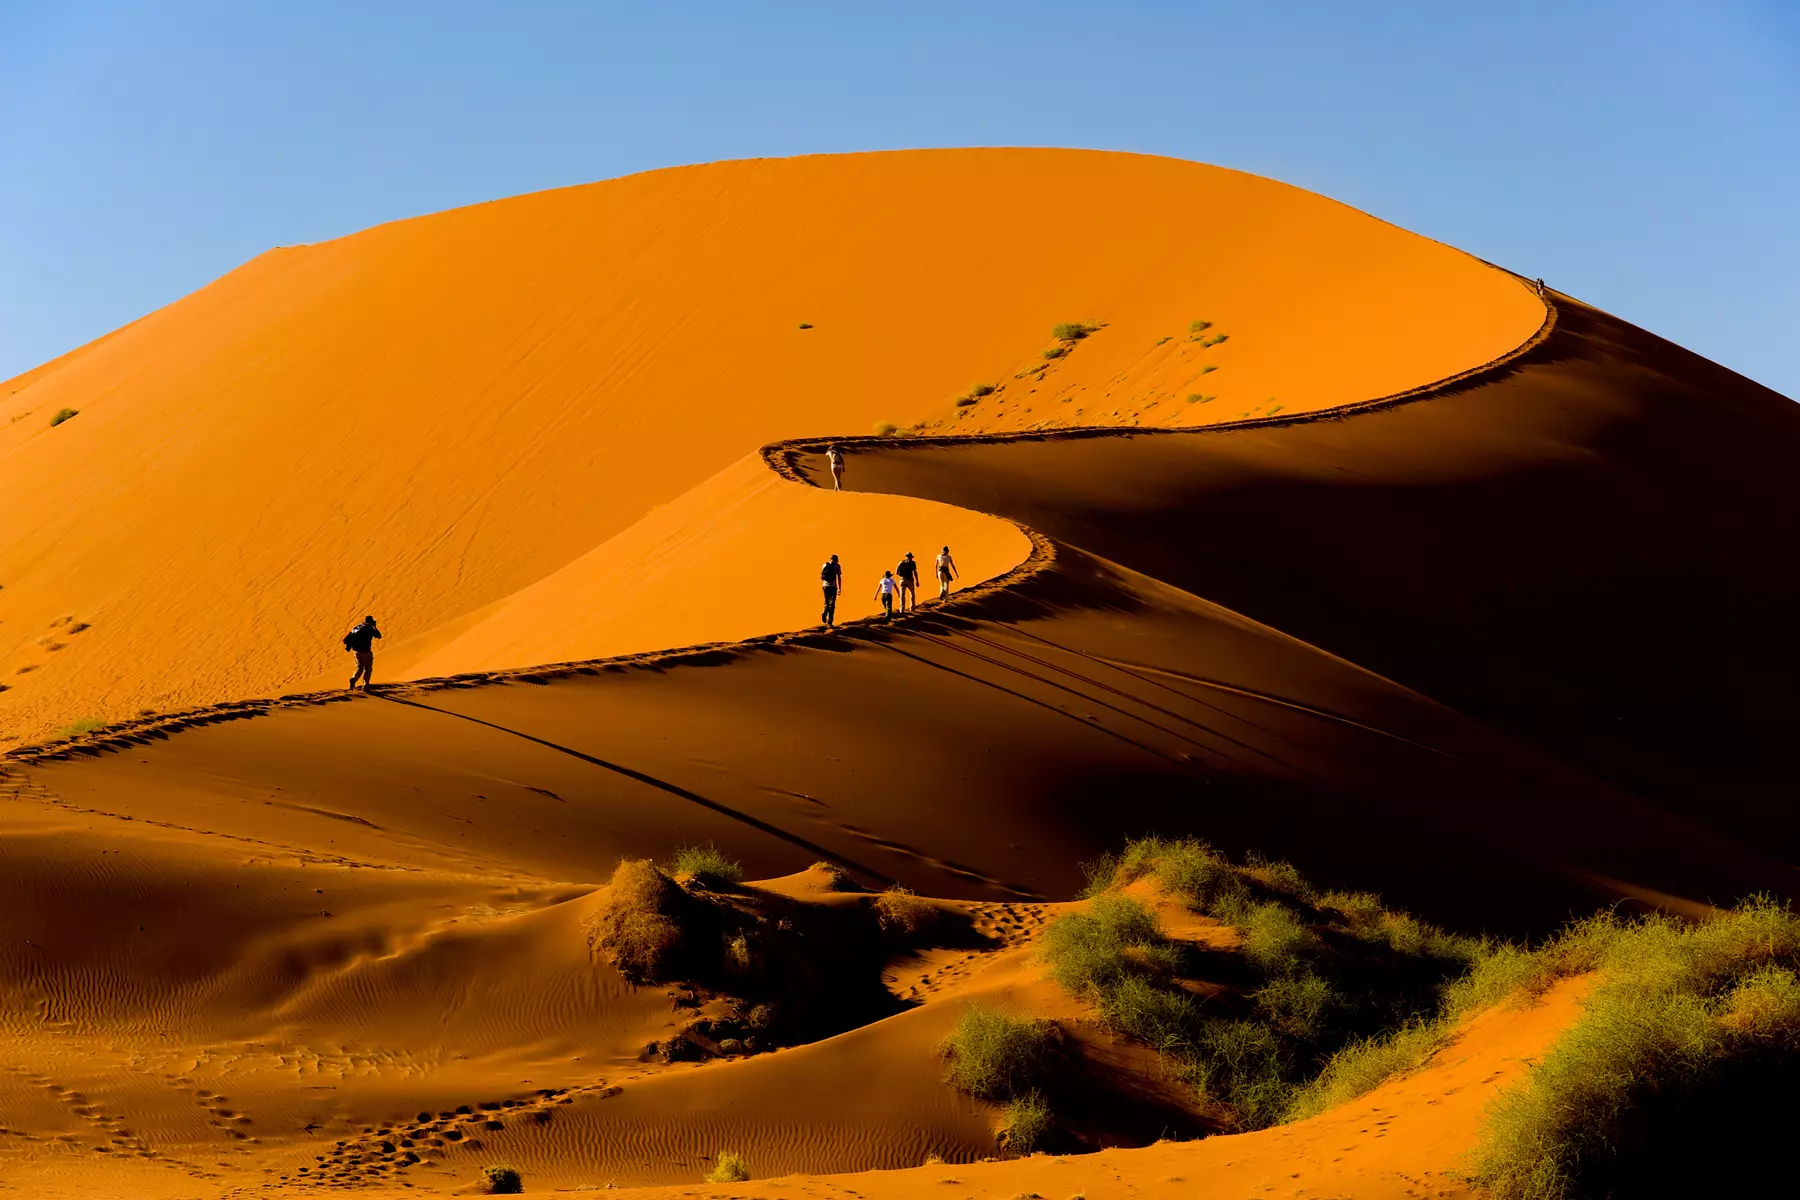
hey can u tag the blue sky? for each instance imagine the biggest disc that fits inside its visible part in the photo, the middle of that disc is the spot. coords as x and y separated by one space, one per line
1642 155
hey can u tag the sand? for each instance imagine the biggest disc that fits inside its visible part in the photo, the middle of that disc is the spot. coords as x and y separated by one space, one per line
1472 634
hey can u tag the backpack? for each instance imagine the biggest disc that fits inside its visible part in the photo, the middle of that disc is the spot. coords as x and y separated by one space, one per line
349 639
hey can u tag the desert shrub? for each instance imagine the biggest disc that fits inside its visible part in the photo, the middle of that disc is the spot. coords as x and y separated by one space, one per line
634 923
77 728
1071 331
964 401
1366 1064
501 1180
63 414
837 879
1056 351
1199 326
706 865
1089 953
1678 1009
886 429
1162 1018
994 1056
982 389
729 1167
1274 937
740 956
805 325
1298 1005
900 911
1026 1124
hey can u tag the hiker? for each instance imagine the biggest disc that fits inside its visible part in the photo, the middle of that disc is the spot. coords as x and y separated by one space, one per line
831 578
884 591
908 570
835 456
946 571
361 642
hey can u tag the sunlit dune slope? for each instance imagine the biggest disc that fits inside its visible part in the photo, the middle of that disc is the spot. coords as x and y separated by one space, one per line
427 417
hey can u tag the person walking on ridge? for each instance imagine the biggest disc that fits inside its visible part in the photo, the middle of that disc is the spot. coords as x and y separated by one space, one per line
831 578
908 571
946 571
361 642
834 454
884 592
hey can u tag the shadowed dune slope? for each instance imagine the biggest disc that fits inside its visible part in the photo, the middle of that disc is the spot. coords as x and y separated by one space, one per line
428 417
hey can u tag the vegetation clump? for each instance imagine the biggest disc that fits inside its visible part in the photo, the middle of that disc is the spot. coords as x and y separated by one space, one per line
886 429
729 1167
77 728
1012 1061
706 865
1199 326
501 1180
1056 351
964 401
901 912
1027 1123
63 414
635 923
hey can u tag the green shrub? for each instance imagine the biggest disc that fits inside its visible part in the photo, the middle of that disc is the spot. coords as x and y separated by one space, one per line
805 325
1056 352
1368 1063
1090 952
982 389
1199 326
85 725
634 922
994 1056
1162 1018
1027 1123
1071 331
706 865
964 401
886 429
63 414
1298 1004
899 911
501 1180
729 1167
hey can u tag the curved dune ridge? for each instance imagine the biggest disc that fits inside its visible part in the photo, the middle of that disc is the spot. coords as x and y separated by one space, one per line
1476 643
481 424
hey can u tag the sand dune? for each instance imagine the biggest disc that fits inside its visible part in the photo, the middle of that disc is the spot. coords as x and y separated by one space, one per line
1475 635
428 417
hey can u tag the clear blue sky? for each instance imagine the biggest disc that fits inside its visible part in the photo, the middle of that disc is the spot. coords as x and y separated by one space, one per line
1641 154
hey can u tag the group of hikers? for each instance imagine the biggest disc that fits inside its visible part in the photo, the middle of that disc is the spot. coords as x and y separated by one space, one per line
898 586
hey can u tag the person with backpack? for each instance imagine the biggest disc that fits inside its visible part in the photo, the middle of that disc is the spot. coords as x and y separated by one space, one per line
835 456
831 578
908 571
361 642
946 571
884 592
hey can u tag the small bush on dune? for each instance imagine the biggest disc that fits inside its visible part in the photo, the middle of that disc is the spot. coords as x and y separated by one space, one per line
982 389
63 414
886 429
1365 1065
706 865
900 911
964 401
994 1056
634 924
729 1167
1071 331
85 725
501 1180
1056 352
1091 952
1027 1123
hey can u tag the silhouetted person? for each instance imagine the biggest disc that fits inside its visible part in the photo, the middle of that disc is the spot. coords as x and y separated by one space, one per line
831 578
835 456
884 592
361 642
946 572
908 571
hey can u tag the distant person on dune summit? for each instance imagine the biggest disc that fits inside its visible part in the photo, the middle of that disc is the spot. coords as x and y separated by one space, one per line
884 592
908 571
946 572
835 456
361 642
831 578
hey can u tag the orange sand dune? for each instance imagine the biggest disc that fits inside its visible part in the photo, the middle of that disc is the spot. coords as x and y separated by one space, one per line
428 417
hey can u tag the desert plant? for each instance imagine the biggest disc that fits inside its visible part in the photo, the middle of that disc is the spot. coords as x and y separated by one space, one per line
995 1056
900 911
1368 1063
77 728
633 923
982 389
1056 351
805 325
1071 331
1026 1124
1199 326
886 429
729 1167
964 401
706 865
501 1180
63 414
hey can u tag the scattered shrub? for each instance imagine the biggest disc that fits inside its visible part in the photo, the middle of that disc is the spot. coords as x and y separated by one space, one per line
1199 326
729 1167
899 911
1365 1065
1161 341
501 1180
1056 352
740 958
85 725
1026 1124
1071 331
805 325
982 389
964 401
706 865
886 429
63 414
1209 368
837 879
633 923
994 1056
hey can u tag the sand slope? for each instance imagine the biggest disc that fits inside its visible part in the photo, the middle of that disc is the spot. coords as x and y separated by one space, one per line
427 417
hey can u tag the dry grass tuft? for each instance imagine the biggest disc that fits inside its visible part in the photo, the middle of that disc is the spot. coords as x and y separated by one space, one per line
900 911
729 1167
634 924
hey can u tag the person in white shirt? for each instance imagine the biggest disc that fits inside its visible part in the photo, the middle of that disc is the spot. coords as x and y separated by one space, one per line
946 571
835 456
885 591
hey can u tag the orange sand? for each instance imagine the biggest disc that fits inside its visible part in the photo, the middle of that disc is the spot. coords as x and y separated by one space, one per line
429 417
